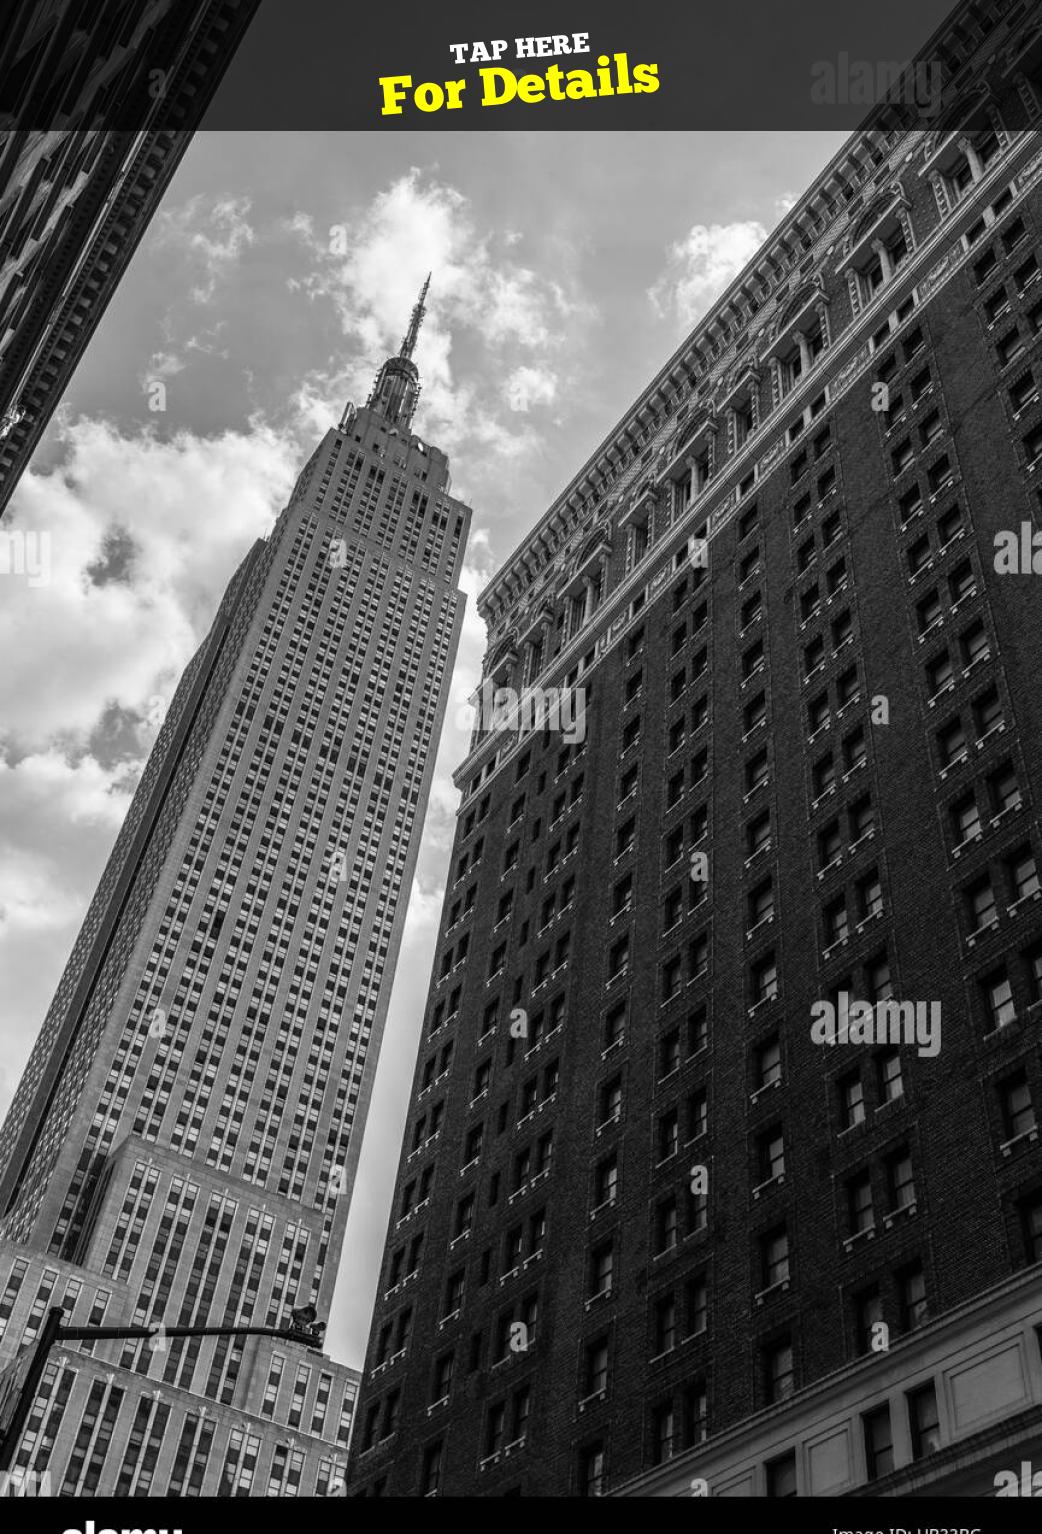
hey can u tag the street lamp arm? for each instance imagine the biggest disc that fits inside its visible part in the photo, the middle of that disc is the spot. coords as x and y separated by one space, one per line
131 1333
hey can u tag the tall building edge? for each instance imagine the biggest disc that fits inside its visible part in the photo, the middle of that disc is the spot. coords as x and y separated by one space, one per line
99 106
650 1235
183 1145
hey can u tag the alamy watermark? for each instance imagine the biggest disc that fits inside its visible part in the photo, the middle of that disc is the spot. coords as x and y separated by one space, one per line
28 553
561 710
844 81
1018 552
881 1022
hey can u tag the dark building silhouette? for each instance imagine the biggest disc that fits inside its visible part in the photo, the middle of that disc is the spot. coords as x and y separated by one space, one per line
649 1235
98 100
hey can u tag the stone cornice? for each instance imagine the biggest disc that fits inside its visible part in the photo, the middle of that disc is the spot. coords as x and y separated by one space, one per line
935 261
820 217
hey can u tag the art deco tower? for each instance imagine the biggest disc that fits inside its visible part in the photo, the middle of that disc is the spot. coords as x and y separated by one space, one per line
183 1144
649 1234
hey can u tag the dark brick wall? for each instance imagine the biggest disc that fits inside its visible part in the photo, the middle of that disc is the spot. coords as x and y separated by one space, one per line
965 1230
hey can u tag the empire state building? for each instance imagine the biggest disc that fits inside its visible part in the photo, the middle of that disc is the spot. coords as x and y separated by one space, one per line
182 1147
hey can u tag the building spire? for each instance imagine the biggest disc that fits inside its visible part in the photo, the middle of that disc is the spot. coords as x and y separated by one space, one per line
397 387
418 311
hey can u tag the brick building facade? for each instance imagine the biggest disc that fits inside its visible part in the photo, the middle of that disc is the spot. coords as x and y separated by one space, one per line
647 1232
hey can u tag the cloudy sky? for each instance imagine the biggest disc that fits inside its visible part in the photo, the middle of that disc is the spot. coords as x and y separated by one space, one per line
280 271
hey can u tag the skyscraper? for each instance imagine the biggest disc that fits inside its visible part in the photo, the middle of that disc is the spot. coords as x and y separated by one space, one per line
183 1144
654 1230
98 103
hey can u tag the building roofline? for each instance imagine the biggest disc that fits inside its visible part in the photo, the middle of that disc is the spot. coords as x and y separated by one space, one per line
844 160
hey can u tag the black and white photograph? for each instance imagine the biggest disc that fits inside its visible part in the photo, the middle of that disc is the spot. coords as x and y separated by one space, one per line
520 759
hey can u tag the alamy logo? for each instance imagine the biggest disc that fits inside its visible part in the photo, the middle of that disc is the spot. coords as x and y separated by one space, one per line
26 553
561 710
1027 1484
870 82
1018 553
90 1527
882 1022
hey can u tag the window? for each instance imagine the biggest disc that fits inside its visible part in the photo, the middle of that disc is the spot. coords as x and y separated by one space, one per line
495 1423
824 775
818 713
923 1420
855 750
965 818
868 1313
973 644
1022 874
859 1203
669 1053
619 958
830 844
879 1443
672 978
430 1475
610 1101
668 1134
900 1181
928 612
614 1025
755 712
979 901
1003 789
780 1475
911 1296
622 896
697 1114
1018 1111
764 979
591 1470
951 743
595 1371
602 1265
663 1433
998 998
665 1223
939 674
606 1182
851 1100
767 1063
774 1257
442 1379
756 770
869 895
837 926
779 1378
761 903
758 833
1031 1225
752 660
1009 346
696 1300
888 1072
665 1325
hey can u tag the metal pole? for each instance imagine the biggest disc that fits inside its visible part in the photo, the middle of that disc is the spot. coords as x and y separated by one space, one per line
309 1335
27 1394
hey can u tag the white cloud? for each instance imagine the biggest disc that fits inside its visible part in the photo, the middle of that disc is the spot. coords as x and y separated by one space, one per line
180 514
700 266
528 386
371 268
214 231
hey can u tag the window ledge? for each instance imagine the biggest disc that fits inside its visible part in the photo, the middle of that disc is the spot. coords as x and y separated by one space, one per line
1028 1135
